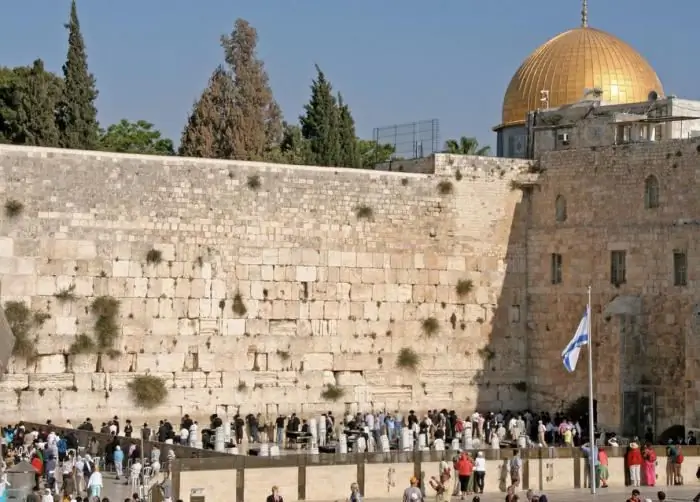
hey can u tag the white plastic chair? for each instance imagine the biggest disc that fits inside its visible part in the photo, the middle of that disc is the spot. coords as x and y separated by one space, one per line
146 475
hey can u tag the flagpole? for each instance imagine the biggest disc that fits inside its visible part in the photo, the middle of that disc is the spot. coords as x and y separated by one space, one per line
591 424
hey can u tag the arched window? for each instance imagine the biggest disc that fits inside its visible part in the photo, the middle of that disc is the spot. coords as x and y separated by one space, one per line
651 192
560 208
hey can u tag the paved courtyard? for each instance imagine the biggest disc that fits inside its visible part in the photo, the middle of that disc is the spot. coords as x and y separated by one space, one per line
117 492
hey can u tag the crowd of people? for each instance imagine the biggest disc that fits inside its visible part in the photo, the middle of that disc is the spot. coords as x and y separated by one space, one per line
67 471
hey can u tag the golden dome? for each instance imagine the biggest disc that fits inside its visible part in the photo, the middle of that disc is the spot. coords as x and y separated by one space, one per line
573 61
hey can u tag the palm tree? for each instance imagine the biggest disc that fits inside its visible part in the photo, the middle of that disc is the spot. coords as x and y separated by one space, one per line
466 146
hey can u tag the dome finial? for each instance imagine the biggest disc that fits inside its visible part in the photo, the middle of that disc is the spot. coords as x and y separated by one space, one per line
584 14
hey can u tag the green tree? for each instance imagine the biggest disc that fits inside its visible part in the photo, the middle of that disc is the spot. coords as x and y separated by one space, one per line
77 112
293 148
135 137
28 103
256 125
209 130
466 146
372 153
347 156
319 124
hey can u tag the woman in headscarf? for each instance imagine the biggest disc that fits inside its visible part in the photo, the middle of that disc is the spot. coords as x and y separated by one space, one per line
649 466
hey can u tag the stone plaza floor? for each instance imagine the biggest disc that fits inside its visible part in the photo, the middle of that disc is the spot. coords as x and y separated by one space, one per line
118 492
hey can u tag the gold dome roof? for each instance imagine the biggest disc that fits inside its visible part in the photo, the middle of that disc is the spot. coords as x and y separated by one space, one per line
573 61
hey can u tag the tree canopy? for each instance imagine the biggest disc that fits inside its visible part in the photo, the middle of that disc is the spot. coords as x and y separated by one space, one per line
135 137
235 117
466 146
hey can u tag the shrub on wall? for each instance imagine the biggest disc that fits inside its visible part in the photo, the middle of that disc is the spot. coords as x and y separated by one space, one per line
106 309
22 322
332 392
445 187
66 294
238 306
83 344
464 287
148 391
364 212
13 208
154 257
430 326
407 359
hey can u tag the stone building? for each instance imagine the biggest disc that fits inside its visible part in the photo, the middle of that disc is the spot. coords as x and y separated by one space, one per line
451 281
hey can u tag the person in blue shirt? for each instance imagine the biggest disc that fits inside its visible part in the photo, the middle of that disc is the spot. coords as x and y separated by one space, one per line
587 452
118 461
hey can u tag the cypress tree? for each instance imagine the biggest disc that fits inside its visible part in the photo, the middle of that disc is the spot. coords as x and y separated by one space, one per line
77 113
256 125
348 154
208 132
319 124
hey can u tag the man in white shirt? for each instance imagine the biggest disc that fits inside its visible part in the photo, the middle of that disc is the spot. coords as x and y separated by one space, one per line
184 435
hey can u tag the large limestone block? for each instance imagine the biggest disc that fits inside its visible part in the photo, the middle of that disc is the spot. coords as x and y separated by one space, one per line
48 401
50 364
316 379
354 362
7 247
52 382
318 361
350 378
13 382
160 363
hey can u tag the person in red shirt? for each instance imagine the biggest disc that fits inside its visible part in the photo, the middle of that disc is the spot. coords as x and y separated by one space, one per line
634 462
464 467
38 467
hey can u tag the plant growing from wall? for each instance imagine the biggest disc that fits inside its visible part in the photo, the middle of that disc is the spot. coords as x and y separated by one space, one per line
106 309
83 344
520 386
445 187
154 257
407 359
13 208
464 287
430 326
364 212
148 391
23 322
486 353
238 306
254 182
283 355
332 392
66 294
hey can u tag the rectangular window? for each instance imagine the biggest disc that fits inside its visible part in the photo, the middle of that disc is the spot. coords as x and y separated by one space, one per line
618 267
556 268
680 268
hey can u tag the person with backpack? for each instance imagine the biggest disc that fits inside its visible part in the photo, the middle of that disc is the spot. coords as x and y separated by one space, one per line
677 472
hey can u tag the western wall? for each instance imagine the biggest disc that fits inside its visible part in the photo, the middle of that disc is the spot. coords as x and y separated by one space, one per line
254 287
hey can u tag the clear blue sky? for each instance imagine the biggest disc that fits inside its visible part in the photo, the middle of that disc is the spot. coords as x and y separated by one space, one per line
395 61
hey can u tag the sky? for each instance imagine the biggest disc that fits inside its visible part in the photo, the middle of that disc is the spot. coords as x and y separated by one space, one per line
394 61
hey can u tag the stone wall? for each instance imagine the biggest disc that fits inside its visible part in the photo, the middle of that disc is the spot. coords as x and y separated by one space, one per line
646 359
337 270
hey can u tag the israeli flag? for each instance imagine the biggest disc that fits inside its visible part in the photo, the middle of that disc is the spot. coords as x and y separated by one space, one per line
581 338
